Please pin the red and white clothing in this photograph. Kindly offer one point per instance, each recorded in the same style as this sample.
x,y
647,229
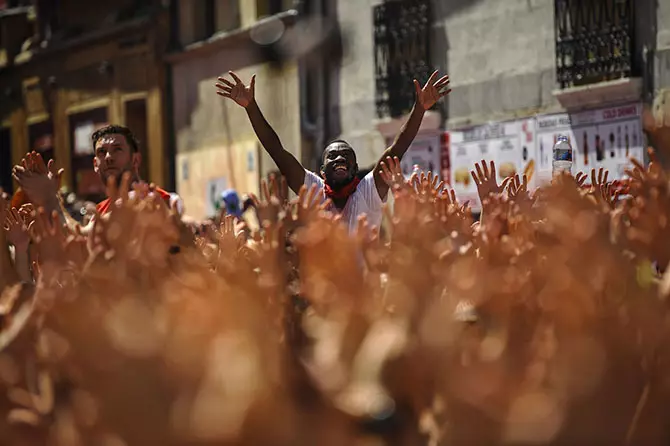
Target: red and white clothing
x,y
364,200
170,199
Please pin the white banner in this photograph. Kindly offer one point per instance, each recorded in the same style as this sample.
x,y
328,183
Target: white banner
x,y
82,139
511,145
605,138
424,152
213,195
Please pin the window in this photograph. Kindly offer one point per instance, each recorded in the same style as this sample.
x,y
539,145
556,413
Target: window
x,y
594,41
86,182
402,53
201,19
266,8
227,13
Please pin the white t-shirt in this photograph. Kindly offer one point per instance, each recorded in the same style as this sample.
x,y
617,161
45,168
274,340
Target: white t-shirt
x,y
364,200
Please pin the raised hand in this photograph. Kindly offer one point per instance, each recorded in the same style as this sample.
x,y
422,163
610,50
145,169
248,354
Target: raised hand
x,y
48,237
580,178
600,181
485,180
515,187
426,184
391,172
17,230
4,207
427,96
375,252
269,208
517,191
38,180
231,238
243,95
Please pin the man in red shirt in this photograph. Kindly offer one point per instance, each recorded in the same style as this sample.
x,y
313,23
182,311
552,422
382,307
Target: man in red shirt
x,y
116,152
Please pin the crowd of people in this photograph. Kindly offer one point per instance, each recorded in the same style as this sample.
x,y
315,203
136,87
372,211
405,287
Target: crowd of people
x,y
337,320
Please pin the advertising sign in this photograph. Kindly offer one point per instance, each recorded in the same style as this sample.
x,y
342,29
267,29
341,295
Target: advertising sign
x,y
425,152
82,139
605,138
511,145
213,195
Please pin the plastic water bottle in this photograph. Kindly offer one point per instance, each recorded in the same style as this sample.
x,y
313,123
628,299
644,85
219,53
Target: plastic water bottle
x,y
562,156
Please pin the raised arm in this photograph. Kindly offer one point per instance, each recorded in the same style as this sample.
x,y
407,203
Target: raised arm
x,y
426,97
245,97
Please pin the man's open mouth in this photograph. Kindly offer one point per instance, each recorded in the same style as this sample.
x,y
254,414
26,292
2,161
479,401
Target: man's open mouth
x,y
340,169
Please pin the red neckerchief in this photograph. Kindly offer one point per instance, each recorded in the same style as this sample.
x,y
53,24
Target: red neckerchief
x,y
103,206
343,193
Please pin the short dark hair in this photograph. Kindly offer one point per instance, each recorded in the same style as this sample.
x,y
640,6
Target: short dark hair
x,y
113,129
342,141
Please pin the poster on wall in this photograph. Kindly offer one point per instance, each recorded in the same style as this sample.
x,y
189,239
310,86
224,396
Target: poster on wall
x,y
425,152
82,138
509,144
605,138
213,195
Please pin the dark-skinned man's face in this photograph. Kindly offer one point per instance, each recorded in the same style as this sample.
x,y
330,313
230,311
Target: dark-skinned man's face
x,y
339,165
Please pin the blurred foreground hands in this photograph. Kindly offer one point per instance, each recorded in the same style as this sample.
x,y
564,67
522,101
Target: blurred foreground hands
x,y
533,327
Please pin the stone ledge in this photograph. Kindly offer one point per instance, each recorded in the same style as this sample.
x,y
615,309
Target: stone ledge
x,y
390,127
621,90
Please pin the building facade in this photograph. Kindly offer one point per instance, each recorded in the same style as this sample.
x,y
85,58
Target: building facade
x,y
215,145
512,64
68,67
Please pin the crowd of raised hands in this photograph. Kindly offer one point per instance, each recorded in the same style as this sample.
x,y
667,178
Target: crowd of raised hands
x,y
542,323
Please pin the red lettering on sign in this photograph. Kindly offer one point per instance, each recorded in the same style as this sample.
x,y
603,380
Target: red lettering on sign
x,y
631,110
620,112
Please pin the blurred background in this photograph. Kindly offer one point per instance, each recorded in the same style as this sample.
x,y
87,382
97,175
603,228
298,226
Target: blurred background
x,y
522,72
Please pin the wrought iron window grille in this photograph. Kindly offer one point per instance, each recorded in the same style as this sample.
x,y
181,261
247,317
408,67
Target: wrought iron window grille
x,y
402,53
594,41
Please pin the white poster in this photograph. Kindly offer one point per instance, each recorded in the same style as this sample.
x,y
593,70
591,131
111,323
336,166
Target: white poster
x,y
511,145
213,195
425,152
82,139
600,138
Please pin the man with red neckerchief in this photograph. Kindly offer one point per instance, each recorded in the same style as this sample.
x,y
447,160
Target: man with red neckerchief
x,y
338,179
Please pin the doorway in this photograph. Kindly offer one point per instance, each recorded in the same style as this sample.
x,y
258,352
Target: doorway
x,y
136,121
87,184
41,139
6,160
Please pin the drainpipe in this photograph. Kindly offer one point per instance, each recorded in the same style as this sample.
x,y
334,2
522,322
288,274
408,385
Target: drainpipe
x,y
171,138
308,128
318,129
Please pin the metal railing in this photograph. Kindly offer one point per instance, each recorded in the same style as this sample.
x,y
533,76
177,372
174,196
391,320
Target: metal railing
x,y
594,41
402,53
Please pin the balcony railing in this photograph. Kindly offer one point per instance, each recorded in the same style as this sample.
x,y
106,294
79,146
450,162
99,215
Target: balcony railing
x,y
402,53
594,41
